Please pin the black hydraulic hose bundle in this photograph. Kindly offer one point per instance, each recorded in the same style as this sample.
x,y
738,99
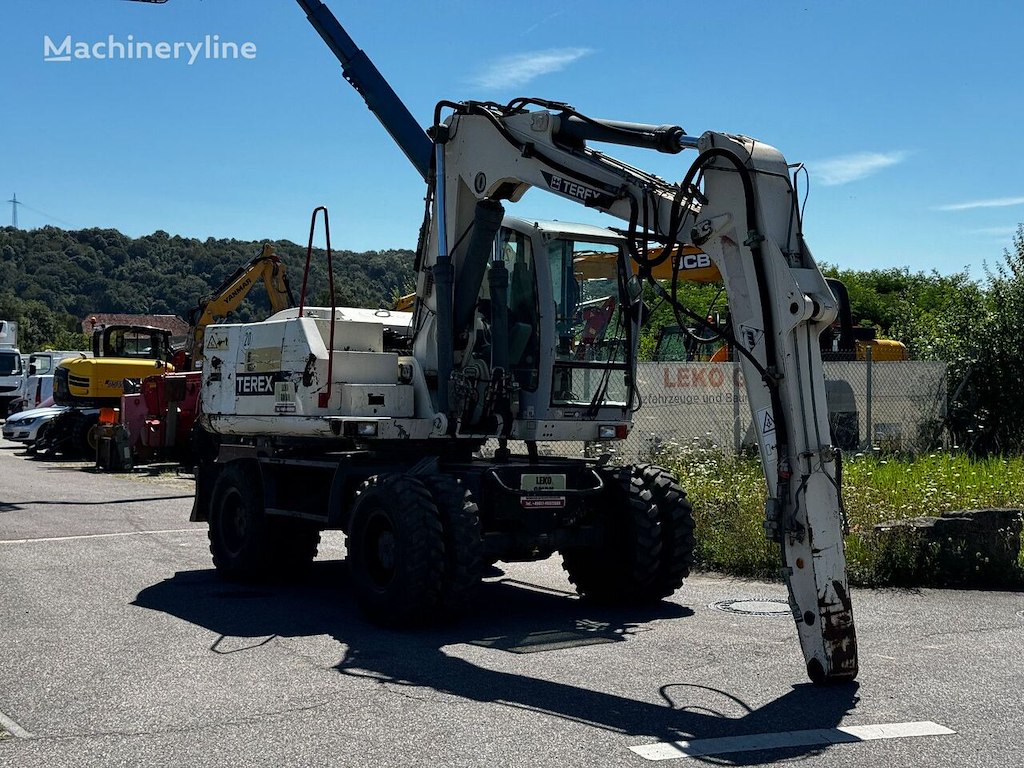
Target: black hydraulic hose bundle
x,y
681,202
769,373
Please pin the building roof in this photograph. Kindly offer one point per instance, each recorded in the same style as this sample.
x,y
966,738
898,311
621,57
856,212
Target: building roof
x,y
172,323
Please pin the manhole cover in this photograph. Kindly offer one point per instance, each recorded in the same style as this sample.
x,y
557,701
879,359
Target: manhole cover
x,y
753,606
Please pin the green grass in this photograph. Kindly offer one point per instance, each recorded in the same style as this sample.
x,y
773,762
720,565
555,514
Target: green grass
x,y
728,495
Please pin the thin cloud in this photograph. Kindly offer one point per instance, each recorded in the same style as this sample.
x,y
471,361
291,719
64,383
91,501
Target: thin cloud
x,y
543,22
1000,232
516,71
999,202
847,168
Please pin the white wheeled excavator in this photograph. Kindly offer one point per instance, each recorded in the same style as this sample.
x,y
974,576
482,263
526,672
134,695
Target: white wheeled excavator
x,y
373,422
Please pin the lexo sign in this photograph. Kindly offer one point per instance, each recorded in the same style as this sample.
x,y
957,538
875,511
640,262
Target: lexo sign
x,y
687,401
692,384
701,376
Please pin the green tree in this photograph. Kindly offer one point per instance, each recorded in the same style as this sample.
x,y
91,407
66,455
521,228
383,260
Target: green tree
x,y
988,408
50,277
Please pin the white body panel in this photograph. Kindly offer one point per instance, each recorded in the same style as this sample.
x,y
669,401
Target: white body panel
x,y
8,333
272,377
13,379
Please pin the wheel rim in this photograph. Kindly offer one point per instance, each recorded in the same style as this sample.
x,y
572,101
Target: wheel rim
x,y
380,549
41,436
92,437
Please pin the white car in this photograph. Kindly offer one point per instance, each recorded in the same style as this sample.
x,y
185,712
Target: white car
x,y
28,426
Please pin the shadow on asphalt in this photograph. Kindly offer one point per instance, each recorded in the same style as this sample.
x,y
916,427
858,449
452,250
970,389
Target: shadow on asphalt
x,y
510,616
104,502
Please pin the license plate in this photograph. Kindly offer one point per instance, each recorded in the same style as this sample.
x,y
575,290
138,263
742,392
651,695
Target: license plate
x,y
542,483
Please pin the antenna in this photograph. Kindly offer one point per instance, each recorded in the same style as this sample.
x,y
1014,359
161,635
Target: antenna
x,y
14,210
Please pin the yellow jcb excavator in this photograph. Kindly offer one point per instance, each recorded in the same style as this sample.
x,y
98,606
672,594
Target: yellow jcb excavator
x,y
844,342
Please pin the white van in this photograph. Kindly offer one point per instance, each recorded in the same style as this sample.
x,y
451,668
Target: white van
x,y
41,366
12,379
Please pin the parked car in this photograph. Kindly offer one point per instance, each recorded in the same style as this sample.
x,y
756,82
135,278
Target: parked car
x,y
29,426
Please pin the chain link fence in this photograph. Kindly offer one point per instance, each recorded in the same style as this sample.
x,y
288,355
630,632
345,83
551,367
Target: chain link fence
x,y
889,406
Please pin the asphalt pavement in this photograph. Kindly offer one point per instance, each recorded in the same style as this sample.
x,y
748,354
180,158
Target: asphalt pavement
x,y
120,646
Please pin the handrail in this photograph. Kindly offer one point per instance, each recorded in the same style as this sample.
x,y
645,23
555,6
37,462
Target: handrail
x,y
325,397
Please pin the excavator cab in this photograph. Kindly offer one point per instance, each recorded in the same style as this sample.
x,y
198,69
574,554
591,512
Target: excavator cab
x,y
567,343
132,341
593,349
119,352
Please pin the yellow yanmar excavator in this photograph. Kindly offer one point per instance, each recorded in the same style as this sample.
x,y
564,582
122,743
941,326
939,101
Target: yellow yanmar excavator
x,y
216,308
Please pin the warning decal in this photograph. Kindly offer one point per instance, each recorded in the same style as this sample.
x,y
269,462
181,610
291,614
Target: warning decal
x,y
750,336
766,426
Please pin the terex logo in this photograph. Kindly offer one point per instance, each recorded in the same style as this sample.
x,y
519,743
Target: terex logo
x,y
587,195
254,384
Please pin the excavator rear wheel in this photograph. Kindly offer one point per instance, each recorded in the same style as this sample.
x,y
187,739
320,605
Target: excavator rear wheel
x,y
396,550
240,540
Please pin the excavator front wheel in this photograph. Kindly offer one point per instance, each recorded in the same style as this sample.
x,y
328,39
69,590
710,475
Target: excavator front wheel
x,y
675,516
463,542
647,546
624,567
396,550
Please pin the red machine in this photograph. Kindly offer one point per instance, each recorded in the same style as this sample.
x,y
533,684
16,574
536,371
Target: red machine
x,y
154,422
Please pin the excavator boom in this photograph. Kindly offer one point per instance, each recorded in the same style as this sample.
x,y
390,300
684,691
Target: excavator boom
x,y
266,268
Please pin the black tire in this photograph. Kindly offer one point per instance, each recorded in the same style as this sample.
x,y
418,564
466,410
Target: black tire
x,y
240,538
463,542
677,526
624,568
41,439
85,436
396,550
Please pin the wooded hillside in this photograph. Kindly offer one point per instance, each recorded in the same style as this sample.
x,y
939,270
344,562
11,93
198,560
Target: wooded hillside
x,y
51,278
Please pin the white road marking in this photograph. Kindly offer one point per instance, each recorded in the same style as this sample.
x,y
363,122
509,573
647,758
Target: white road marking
x,y
759,741
101,535
13,728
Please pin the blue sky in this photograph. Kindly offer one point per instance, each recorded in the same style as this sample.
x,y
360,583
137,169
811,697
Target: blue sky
x,y
908,115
